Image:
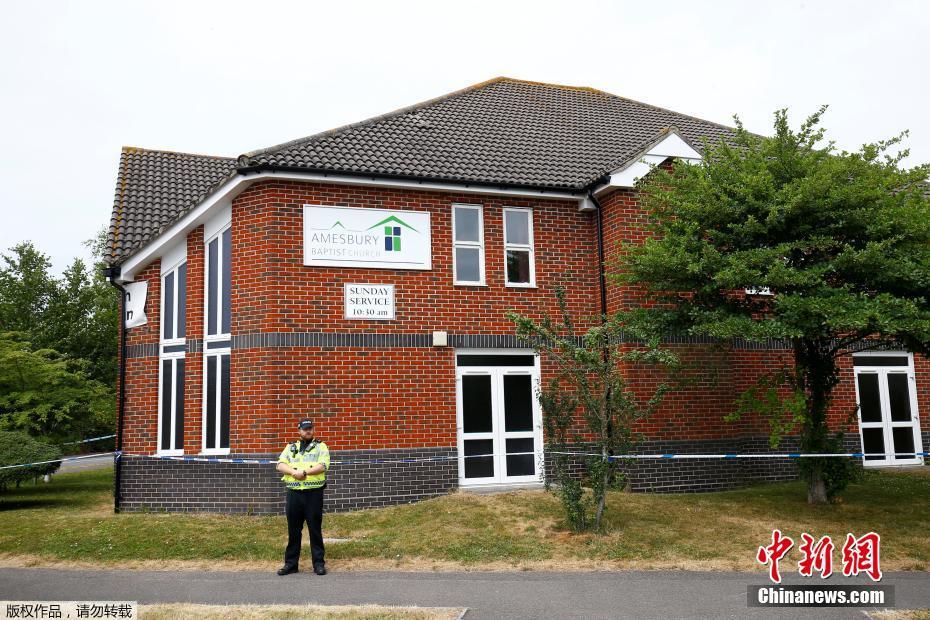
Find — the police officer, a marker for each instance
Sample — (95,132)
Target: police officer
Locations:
(304,464)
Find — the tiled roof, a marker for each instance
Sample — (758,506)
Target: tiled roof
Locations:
(502,132)
(154,188)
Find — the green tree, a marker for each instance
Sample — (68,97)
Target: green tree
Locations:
(76,314)
(81,318)
(47,394)
(589,380)
(26,289)
(841,239)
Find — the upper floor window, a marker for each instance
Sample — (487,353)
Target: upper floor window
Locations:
(174,303)
(518,247)
(219,281)
(217,343)
(468,244)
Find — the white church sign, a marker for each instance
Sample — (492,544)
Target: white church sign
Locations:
(371,238)
(374,302)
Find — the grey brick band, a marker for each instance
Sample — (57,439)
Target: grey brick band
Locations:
(361,340)
(360,482)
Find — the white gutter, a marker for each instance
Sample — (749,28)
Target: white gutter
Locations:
(224,195)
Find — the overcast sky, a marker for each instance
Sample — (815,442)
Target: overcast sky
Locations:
(78,80)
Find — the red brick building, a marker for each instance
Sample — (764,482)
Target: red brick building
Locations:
(361,276)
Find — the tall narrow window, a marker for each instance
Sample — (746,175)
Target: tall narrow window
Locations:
(468,244)
(518,247)
(219,281)
(217,343)
(171,356)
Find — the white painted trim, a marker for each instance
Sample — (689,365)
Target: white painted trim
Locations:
(173,257)
(215,225)
(215,452)
(222,197)
(671,146)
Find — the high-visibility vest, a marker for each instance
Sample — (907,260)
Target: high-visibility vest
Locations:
(315,452)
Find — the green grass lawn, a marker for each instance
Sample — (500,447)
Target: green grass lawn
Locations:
(72,520)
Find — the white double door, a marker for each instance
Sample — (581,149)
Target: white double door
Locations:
(886,392)
(499,418)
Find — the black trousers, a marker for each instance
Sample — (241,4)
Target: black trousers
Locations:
(304,507)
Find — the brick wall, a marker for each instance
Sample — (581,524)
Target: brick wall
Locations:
(358,479)
(376,386)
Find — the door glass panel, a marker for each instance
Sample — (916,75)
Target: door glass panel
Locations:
(873,444)
(518,403)
(899,397)
(880,360)
(495,360)
(520,464)
(870,404)
(903,442)
(476,404)
(479,466)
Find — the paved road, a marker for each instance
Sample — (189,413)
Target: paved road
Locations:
(90,462)
(659,594)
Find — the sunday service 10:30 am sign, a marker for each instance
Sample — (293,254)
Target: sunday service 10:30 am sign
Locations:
(372,238)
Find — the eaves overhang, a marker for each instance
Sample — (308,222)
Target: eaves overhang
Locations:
(246,176)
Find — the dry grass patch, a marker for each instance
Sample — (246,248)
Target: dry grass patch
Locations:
(522,530)
(900,614)
(187,611)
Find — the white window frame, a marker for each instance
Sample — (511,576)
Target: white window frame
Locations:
(172,451)
(516,246)
(469,244)
(170,342)
(207,337)
(498,435)
(218,414)
(212,338)
(887,424)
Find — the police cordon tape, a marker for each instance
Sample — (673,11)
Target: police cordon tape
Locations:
(61,460)
(69,443)
(432,459)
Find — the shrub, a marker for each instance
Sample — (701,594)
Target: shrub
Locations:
(16,448)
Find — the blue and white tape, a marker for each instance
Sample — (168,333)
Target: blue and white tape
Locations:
(69,443)
(61,460)
(434,459)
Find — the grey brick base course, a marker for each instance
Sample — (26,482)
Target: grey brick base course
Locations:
(705,475)
(358,479)
(375,478)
